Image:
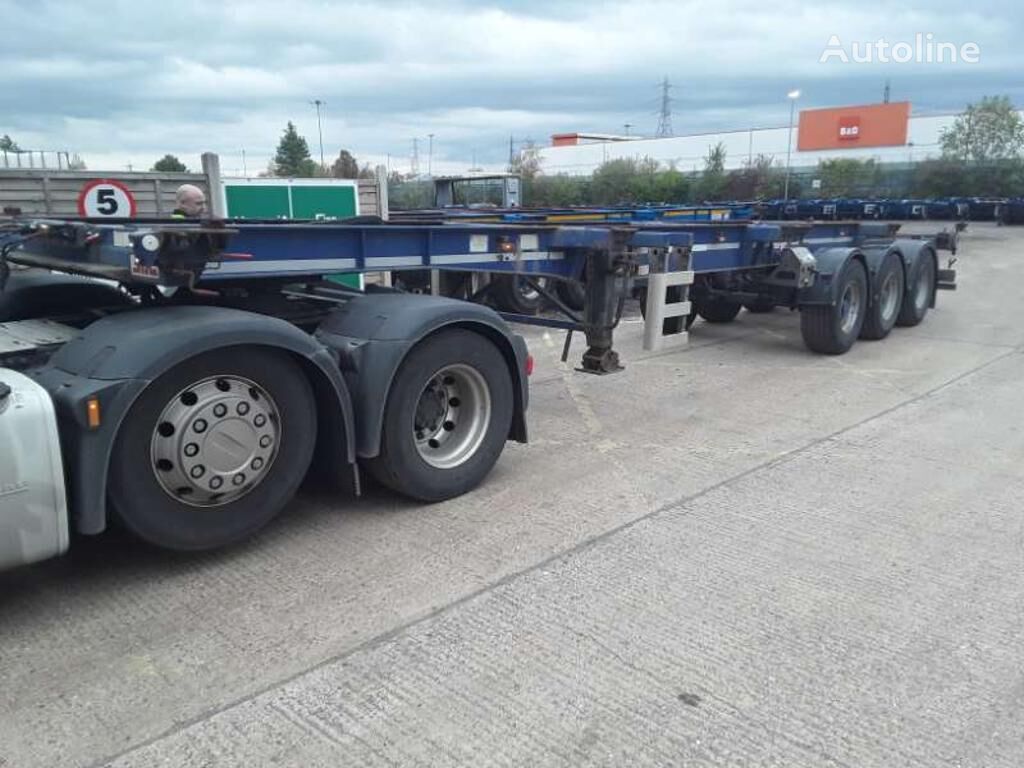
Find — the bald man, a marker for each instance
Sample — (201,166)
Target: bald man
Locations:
(189,202)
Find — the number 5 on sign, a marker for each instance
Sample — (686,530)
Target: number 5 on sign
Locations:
(106,198)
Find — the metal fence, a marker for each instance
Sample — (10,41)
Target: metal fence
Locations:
(42,159)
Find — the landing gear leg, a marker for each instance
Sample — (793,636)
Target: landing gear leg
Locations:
(607,284)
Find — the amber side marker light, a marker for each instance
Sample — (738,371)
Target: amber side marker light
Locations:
(92,412)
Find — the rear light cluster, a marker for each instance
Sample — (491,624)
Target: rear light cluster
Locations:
(529,365)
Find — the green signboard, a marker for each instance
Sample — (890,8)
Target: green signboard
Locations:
(294,199)
(291,198)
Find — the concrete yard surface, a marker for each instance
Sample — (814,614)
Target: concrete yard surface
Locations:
(735,553)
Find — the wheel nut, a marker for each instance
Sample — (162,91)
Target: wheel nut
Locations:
(238,479)
(219,410)
(200,425)
(216,482)
(260,420)
(257,464)
(243,408)
(265,441)
(197,471)
(191,449)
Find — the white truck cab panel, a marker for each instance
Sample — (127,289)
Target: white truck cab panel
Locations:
(33,501)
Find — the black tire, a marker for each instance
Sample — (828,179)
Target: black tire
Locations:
(670,324)
(718,310)
(512,293)
(759,306)
(572,293)
(400,465)
(919,294)
(886,297)
(152,513)
(829,330)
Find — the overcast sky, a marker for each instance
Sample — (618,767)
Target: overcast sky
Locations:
(123,81)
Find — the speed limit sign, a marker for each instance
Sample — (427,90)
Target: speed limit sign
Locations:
(106,198)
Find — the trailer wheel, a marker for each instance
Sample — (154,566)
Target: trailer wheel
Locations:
(447,417)
(882,313)
(572,293)
(513,293)
(920,291)
(832,330)
(213,449)
(718,310)
(759,306)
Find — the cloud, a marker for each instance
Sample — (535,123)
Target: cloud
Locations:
(122,82)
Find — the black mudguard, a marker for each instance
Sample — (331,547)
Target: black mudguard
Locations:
(116,357)
(830,262)
(372,334)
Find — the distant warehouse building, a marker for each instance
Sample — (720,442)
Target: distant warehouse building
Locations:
(886,132)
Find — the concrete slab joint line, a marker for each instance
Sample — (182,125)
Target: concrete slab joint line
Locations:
(559,557)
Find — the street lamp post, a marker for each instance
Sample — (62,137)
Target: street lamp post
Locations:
(430,156)
(792,96)
(318,103)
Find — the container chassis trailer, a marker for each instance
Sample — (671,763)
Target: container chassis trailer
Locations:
(186,376)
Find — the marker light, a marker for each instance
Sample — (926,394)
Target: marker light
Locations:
(92,412)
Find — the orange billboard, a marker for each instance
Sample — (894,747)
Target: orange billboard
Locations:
(869,125)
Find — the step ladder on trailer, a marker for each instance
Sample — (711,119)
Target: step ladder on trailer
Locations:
(669,278)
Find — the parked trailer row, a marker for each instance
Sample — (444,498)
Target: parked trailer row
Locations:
(843,208)
(186,376)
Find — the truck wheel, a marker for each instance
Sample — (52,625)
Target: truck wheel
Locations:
(213,449)
(447,417)
(881,315)
(718,310)
(513,293)
(572,293)
(832,330)
(918,297)
(759,306)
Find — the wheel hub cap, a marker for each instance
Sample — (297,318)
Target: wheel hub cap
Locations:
(452,416)
(924,286)
(215,441)
(890,299)
(850,307)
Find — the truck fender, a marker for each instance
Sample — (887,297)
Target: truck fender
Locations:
(912,252)
(372,334)
(830,262)
(115,358)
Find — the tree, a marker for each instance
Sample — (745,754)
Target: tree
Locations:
(985,133)
(169,164)
(7,144)
(845,177)
(712,183)
(613,182)
(293,158)
(557,190)
(759,179)
(527,162)
(345,167)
